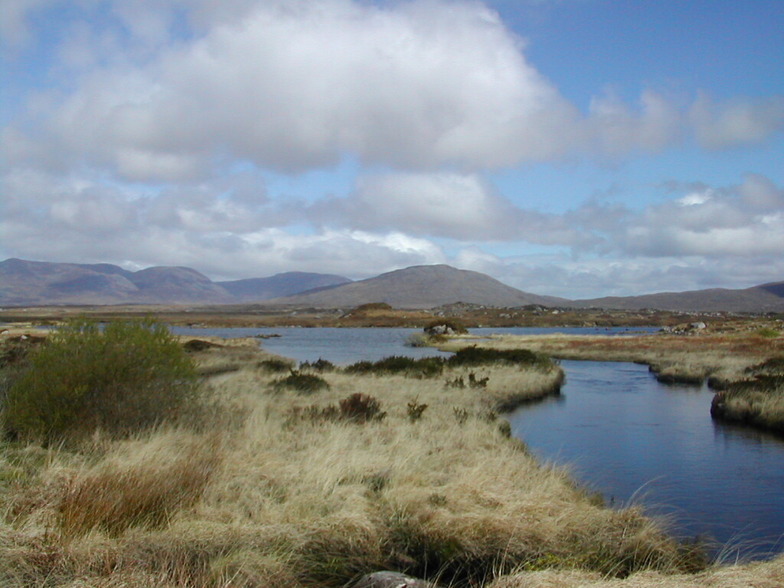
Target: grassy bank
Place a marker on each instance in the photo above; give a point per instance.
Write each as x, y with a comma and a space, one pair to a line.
288, 487
744, 367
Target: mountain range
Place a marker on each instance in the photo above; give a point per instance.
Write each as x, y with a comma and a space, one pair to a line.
35, 283
29, 283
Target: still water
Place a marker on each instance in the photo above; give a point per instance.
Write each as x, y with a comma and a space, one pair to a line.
619, 431
635, 440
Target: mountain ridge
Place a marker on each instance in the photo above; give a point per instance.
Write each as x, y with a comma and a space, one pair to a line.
39, 283
423, 286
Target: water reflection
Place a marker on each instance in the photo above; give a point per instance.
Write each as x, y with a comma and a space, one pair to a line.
633, 439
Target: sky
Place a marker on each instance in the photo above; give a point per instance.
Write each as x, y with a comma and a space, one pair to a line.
574, 148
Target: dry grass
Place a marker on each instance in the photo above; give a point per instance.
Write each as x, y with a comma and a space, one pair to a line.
317, 502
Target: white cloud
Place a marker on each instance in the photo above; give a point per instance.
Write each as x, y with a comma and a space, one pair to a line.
743, 220
617, 130
293, 86
440, 204
739, 122
14, 26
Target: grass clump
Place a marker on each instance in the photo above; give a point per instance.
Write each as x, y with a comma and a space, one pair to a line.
301, 383
143, 489
478, 356
124, 378
275, 365
320, 365
757, 400
357, 408
424, 367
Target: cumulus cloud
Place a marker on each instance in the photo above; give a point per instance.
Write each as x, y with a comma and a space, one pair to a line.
292, 86
615, 129
743, 220
14, 26
739, 122
172, 90
440, 204
165, 119
227, 228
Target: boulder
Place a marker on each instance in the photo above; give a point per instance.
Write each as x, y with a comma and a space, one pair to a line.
391, 580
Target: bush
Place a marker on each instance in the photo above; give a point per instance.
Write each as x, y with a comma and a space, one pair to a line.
425, 367
124, 378
415, 409
275, 365
361, 408
358, 408
320, 365
302, 383
478, 356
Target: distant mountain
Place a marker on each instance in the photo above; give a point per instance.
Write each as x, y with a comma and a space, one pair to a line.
763, 298
285, 284
28, 283
37, 282
424, 286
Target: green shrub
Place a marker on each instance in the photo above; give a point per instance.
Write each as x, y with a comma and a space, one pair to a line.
415, 409
477, 356
275, 365
424, 367
418, 340
302, 383
129, 376
320, 365
767, 333
358, 408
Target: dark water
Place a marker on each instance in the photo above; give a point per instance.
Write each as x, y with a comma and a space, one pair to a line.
637, 441
620, 432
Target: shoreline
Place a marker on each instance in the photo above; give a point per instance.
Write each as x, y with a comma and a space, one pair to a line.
745, 371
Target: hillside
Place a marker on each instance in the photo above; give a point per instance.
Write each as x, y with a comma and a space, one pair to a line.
31, 283
285, 284
424, 286
763, 298
36, 282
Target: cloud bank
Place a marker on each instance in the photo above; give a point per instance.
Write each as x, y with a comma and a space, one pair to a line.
157, 125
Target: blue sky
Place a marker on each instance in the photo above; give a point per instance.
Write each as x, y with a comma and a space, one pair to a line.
576, 148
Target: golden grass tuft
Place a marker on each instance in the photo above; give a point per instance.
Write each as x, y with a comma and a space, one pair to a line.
141, 484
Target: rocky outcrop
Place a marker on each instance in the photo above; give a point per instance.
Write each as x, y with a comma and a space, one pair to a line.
391, 580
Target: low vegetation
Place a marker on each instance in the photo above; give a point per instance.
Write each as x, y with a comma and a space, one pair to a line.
121, 379
757, 399
377, 470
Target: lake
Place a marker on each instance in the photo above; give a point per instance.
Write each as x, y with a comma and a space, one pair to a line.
620, 432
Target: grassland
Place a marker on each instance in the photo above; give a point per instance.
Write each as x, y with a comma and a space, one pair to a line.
291, 487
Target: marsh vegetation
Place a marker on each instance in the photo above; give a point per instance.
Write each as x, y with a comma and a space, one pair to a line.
285, 487
744, 367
